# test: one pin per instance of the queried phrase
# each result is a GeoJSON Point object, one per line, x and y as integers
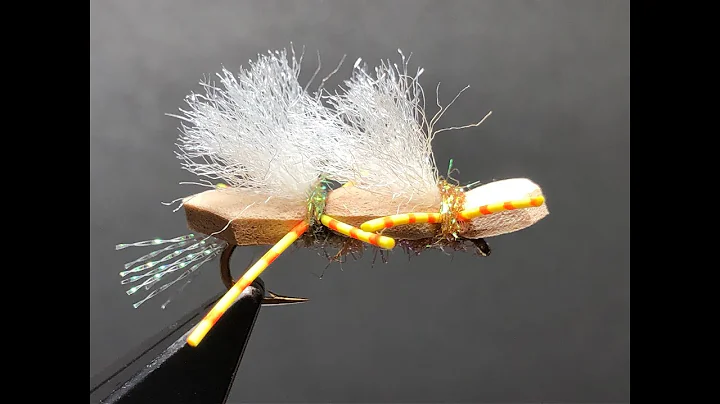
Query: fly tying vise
{"type": "Point", "coordinates": [277, 150]}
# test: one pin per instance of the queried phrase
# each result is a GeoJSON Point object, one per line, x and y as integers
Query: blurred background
{"type": "Point", "coordinates": [545, 318]}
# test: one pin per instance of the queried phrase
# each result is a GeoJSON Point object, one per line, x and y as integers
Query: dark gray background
{"type": "Point", "coordinates": [546, 317]}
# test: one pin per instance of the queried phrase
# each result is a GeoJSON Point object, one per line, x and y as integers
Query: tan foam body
{"type": "Point", "coordinates": [257, 221]}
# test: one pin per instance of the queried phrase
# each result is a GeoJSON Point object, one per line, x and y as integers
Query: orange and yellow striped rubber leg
{"type": "Point", "coordinates": [250, 275]}
{"type": "Point", "coordinates": [470, 214]}
{"type": "Point", "coordinates": [377, 240]}
{"type": "Point", "coordinates": [403, 218]}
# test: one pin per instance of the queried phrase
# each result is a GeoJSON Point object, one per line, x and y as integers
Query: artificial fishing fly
{"type": "Point", "coordinates": [277, 149]}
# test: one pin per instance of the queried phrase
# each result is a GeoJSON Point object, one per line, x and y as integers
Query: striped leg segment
{"type": "Point", "coordinates": [470, 214]}
{"type": "Point", "coordinates": [396, 220]}
{"type": "Point", "coordinates": [387, 243]}
{"type": "Point", "coordinates": [229, 298]}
